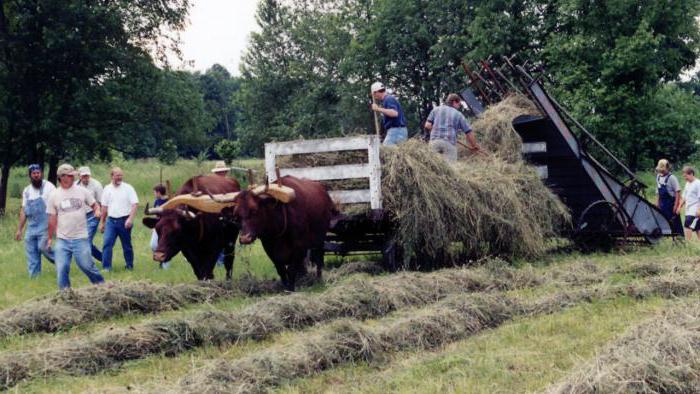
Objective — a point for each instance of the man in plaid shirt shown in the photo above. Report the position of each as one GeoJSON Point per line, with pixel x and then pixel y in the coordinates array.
{"type": "Point", "coordinates": [443, 124]}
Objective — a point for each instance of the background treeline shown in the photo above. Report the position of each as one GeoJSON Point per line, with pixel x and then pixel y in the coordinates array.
{"type": "Point", "coordinates": [89, 80]}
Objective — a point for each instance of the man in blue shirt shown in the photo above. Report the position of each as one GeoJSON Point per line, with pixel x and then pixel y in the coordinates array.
{"type": "Point", "coordinates": [392, 115]}
{"type": "Point", "coordinates": [443, 123]}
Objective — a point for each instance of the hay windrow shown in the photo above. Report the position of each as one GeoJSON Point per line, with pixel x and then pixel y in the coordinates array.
{"type": "Point", "coordinates": [353, 298]}
{"type": "Point", "coordinates": [65, 309]}
{"type": "Point", "coordinates": [661, 355]}
{"type": "Point", "coordinates": [485, 207]}
{"type": "Point", "coordinates": [446, 321]}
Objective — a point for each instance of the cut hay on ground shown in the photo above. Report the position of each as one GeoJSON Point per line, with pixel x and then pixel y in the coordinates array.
{"type": "Point", "coordinates": [65, 309]}
{"type": "Point", "coordinates": [352, 298]}
{"type": "Point", "coordinates": [494, 128]}
{"type": "Point", "coordinates": [659, 356]}
{"type": "Point", "coordinates": [446, 321]}
{"type": "Point", "coordinates": [483, 207]}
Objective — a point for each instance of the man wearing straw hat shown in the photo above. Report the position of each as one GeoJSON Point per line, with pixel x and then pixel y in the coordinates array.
{"type": "Point", "coordinates": [66, 209]}
{"type": "Point", "coordinates": [221, 169]}
{"type": "Point", "coordinates": [668, 195]}
{"type": "Point", "coordinates": [392, 115]}
{"type": "Point", "coordinates": [443, 124]}
{"type": "Point", "coordinates": [95, 188]}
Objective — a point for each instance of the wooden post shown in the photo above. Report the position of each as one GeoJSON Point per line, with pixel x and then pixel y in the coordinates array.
{"type": "Point", "coordinates": [377, 128]}
{"type": "Point", "coordinates": [250, 178]}
{"type": "Point", "coordinates": [168, 189]}
{"type": "Point", "coordinates": [277, 173]}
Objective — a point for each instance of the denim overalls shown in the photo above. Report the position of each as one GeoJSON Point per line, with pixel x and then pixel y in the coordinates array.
{"type": "Point", "coordinates": [667, 199]}
{"type": "Point", "coordinates": [37, 232]}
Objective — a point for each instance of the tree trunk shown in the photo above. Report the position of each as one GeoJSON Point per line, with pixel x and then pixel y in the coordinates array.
{"type": "Point", "coordinates": [4, 181]}
{"type": "Point", "coordinates": [53, 168]}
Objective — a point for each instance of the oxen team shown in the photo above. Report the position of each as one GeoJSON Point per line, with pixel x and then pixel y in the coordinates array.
{"type": "Point", "coordinates": [290, 217]}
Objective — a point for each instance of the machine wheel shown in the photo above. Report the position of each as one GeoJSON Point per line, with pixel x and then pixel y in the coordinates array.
{"type": "Point", "coordinates": [599, 227]}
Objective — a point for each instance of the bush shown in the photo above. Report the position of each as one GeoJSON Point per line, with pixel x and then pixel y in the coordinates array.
{"type": "Point", "coordinates": [228, 150]}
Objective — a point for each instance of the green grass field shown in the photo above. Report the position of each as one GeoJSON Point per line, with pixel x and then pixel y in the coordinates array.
{"type": "Point", "coordinates": [525, 354]}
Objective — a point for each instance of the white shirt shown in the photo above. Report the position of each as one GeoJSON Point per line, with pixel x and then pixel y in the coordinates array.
{"type": "Point", "coordinates": [691, 195]}
{"type": "Point", "coordinates": [30, 193]}
{"type": "Point", "coordinates": [119, 200]}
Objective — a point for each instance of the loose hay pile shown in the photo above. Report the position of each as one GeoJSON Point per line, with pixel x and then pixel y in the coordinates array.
{"type": "Point", "coordinates": [494, 128]}
{"type": "Point", "coordinates": [483, 206]}
{"type": "Point", "coordinates": [660, 356]}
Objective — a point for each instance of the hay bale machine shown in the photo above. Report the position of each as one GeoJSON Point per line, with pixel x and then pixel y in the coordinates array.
{"type": "Point", "coordinates": [605, 209]}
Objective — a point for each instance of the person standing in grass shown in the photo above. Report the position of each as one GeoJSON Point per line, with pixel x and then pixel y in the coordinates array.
{"type": "Point", "coordinates": [392, 115]}
{"type": "Point", "coordinates": [161, 198]}
{"type": "Point", "coordinates": [691, 201]}
{"type": "Point", "coordinates": [119, 204]}
{"type": "Point", "coordinates": [444, 122]}
{"type": "Point", "coordinates": [34, 200]}
{"type": "Point", "coordinates": [95, 188]}
{"type": "Point", "coordinates": [668, 195]}
{"type": "Point", "coordinates": [66, 209]}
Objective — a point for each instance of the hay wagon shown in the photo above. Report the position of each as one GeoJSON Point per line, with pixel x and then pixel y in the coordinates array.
{"type": "Point", "coordinates": [363, 226]}
{"type": "Point", "coordinates": [606, 206]}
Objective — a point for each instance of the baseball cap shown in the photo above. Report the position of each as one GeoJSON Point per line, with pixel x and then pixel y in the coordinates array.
{"type": "Point", "coordinates": [65, 169]}
{"type": "Point", "coordinates": [84, 171]}
{"type": "Point", "coordinates": [377, 86]}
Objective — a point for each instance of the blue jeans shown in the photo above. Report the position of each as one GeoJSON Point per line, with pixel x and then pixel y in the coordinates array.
{"type": "Point", "coordinates": [34, 246]}
{"type": "Point", "coordinates": [395, 136]}
{"type": "Point", "coordinates": [80, 249]}
{"type": "Point", "coordinates": [117, 228]}
{"type": "Point", "coordinates": [92, 223]}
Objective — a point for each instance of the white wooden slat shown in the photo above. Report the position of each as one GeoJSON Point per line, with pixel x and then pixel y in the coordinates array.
{"type": "Point", "coordinates": [375, 176]}
{"type": "Point", "coordinates": [317, 146]}
{"type": "Point", "coordinates": [327, 173]}
{"type": "Point", "coordinates": [350, 196]}
{"type": "Point", "coordinates": [534, 147]}
{"type": "Point", "coordinates": [270, 163]}
{"type": "Point", "coordinates": [542, 171]}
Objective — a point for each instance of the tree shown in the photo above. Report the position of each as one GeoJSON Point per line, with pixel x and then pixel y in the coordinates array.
{"type": "Point", "coordinates": [57, 57]}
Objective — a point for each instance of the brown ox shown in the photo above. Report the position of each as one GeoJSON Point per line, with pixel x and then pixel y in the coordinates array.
{"type": "Point", "coordinates": [287, 230]}
{"type": "Point", "coordinates": [199, 236]}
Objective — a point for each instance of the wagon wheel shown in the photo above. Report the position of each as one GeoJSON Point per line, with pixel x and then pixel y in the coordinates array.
{"type": "Point", "coordinates": [599, 226]}
{"type": "Point", "coordinates": [392, 255]}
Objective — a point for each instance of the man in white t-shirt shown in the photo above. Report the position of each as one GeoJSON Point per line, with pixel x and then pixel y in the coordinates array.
{"type": "Point", "coordinates": [119, 204]}
{"type": "Point", "coordinates": [66, 209]}
{"type": "Point", "coordinates": [691, 201]}
{"type": "Point", "coordinates": [34, 199]}
{"type": "Point", "coordinates": [95, 188]}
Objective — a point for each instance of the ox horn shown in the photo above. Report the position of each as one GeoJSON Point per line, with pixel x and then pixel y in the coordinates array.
{"type": "Point", "coordinates": [224, 198]}
{"type": "Point", "coordinates": [208, 204]}
{"type": "Point", "coordinates": [186, 213]}
{"type": "Point", "coordinates": [282, 193]}
{"type": "Point", "coordinates": [152, 211]}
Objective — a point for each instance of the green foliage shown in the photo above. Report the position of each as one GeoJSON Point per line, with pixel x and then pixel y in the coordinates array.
{"type": "Point", "coordinates": [228, 150]}
{"type": "Point", "coordinates": [168, 152]}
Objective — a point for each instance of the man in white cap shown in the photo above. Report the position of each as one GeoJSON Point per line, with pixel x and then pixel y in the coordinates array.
{"type": "Point", "coordinates": [95, 188]}
{"type": "Point", "coordinates": [66, 209]}
{"type": "Point", "coordinates": [119, 204]}
{"type": "Point", "coordinates": [393, 118]}
{"type": "Point", "coordinates": [221, 169]}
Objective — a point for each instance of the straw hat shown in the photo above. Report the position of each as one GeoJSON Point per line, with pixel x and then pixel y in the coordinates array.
{"type": "Point", "coordinates": [220, 166]}
{"type": "Point", "coordinates": [65, 169]}
{"type": "Point", "coordinates": [663, 165]}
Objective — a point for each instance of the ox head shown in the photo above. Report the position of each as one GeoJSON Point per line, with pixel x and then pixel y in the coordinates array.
{"type": "Point", "coordinates": [256, 211]}
{"type": "Point", "coordinates": [173, 227]}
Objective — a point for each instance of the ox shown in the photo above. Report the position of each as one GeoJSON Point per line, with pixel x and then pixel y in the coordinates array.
{"type": "Point", "coordinates": [287, 230]}
{"type": "Point", "coordinates": [198, 235]}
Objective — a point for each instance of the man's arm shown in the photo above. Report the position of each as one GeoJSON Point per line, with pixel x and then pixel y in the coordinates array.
{"type": "Point", "coordinates": [473, 145]}
{"type": "Point", "coordinates": [132, 214]}
{"type": "Point", "coordinates": [392, 113]}
{"type": "Point", "coordinates": [103, 217]}
{"type": "Point", "coordinates": [22, 223]}
{"type": "Point", "coordinates": [53, 221]}
{"type": "Point", "coordinates": [677, 202]}
{"type": "Point", "coordinates": [680, 205]}
{"type": "Point", "coordinates": [429, 125]}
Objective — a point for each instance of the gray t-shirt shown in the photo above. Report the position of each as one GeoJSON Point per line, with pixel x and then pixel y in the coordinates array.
{"type": "Point", "coordinates": [69, 205]}
{"type": "Point", "coordinates": [95, 188]}
{"type": "Point", "coordinates": [669, 182]}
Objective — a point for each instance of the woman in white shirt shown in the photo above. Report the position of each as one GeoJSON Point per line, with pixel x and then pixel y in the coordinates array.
{"type": "Point", "coordinates": [691, 201]}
